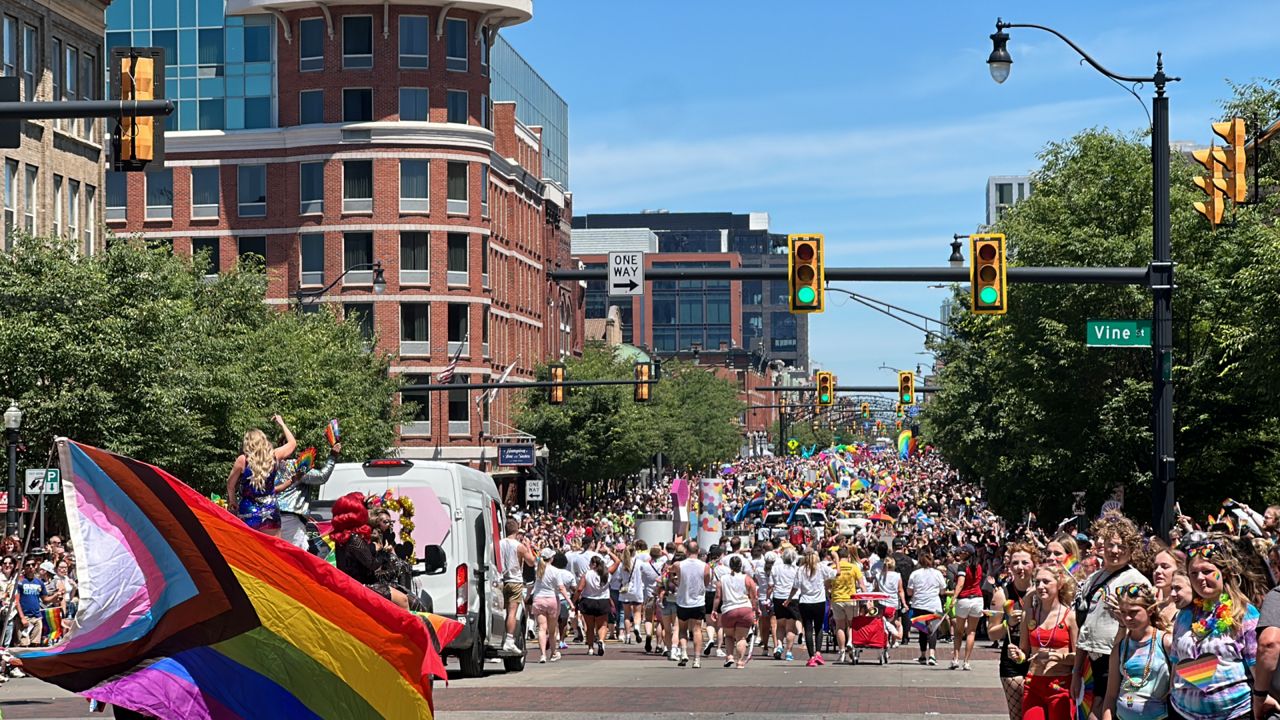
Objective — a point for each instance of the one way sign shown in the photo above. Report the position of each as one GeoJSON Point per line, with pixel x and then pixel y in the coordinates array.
{"type": "Point", "coordinates": [626, 273]}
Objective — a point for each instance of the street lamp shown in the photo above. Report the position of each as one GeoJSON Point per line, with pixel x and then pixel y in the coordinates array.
{"type": "Point", "coordinates": [379, 283]}
{"type": "Point", "coordinates": [12, 423]}
{"type": "Point", "coordinates": [956, 259]}
{"type": "Point", "coordinates": [1160, 271]}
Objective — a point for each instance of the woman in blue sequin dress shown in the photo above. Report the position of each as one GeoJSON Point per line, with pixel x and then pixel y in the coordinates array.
{"type": "Point", "coordinates": [255, 479]}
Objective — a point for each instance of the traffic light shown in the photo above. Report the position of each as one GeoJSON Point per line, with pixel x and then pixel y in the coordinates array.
{"type": "Point", "coordinates": [1232, 132]}
{"type": "Point", "coordinates": [907, 387]}
{"type": "Point", "coordinates": [137, 74]}
{"type": "Point", "coordinates": [555, 394]}
{"type": "Point", "coordinates": [901, 410]}
{"type": "Point", "coordinates": [897, 424]}
{"type": "Point", "coordinates": [1213, 184]}
{"type": "Point", "coordinates": [988, 285]}
{"type": "Point", "coordinates": [805, 274]}
{"type": "Point", "coordinates": [866, 411]}
{"type": "Point", "coordinates": [826, 383]}
{"type": "Point", "coordinates": [643, 370]}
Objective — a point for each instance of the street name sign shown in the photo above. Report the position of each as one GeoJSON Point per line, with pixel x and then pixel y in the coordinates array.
{"type": "Point", "coordinates": [1118, 333]}
{"type": "Point", "coordinates": [515, 455]}
{"type": "Point", "coordinates": [626, 273]}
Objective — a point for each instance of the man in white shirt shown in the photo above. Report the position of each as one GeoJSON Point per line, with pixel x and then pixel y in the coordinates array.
{"type": "Point", "coordinates": [692, 576]}
{"type": "Point", "coordinates": [516, 554]}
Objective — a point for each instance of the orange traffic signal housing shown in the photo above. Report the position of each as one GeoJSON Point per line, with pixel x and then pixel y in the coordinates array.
{"type": "Point", "coordinates": [806, 278]}
{"type": "Point", "coordinates": [643, 372]}
{"type": "Point", "coordinates": [1213, 184]}
{"type": "Point", "coordinates": [137, 133]}
{"type": "Point", "coordinates": [988, 280]}
{"type": "Point", "coordinates": [555, 394]}
{"type": "Point", "coordinates": [1233, 133]}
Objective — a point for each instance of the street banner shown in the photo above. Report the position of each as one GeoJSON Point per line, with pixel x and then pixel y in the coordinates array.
{"type": "Point", "coordinates": [679, 506]}
{"type": "Point", "coordinates": [711, 520]}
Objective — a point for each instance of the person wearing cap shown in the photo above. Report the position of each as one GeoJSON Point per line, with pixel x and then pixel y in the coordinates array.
{"type": "Point", "coordinates": [968, 596]}
{"type": "Point", "coordinates": [550, 589]}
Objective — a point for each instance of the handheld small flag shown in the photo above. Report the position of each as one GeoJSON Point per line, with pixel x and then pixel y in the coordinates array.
{"type": "Point", "coordinates": [332, 432]}
{"type": "Point", "coordinates": [53, 624]}
{"type": "Point", "coordinates": [921, 623]}
{"type": "Point", "coordinates": [306, 460]}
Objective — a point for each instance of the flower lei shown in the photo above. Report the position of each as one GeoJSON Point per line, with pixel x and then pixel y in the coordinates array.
{"type": "Point", "coordinates": [404, 506]}
{"type": "Point", "coordinates": [1217, 620]}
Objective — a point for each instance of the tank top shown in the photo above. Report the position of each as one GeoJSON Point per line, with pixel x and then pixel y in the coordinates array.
{"type": "Point", "coordinates": [692, 590]}
{"type": "Point", "coordinates": [1056, 638]}
{"type": "Point", "coordinates": [511, 569]}
{"type": "Point", "coordinates": [972, 582]}
{"type": "Point", "coordinates": [733, 592]}
{"type": "Point", "coordinates": [1012, 636]}
{"type": "Point", "coordinates": [1136, 699]}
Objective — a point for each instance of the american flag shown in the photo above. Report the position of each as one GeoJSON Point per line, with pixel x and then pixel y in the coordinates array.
{"type": "Point", "coordinates": [446, 376]}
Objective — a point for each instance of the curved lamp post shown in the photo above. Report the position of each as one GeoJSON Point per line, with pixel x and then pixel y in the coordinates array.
{"type": "Point", "coordinates": [1160, 271]}
{"type": "Point", "coordinates": [379, 283]}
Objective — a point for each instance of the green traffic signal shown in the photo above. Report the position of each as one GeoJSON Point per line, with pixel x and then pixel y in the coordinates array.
{"type": "Point", "coordinates": [989, 295]}
{"type": "Point", "coordinates": [825, 397]}
{"type": "Point", "coordinates": [806, 295]}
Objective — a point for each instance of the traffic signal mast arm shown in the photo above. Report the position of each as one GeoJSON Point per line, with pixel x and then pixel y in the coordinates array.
{"type": "Point", "coordinates": [83, 109]}
{"type": "Point", "coordinates": [1039, 275]}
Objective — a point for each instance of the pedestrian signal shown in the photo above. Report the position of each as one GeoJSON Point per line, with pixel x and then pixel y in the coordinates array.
{"type": "Point", "coordinates": [1232, 132]}
{"type": "Point", "coordinates": [643, 371]}
{"type": "Point", "coordinates": [987, 277]}
{"type": "Point", "coordinates": [805, 275]}
{"type": "Point", "coordinates": [826, 383]}
{"type": "Point", "coordinates": [556, 392]}
{"type": "Point", "coordinates": [906, 388]}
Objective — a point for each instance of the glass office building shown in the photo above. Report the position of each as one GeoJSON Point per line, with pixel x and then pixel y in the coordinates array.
{"type": "Point", "coordinates": [536, 104]}
{"type": "Point", "coordinates": [219, 69]}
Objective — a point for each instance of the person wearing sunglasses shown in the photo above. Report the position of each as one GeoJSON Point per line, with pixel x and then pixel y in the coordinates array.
{"type": "Point", "coordinates": [1214, 642]}
{"type": "Point", "coordinates": [1138, 685]}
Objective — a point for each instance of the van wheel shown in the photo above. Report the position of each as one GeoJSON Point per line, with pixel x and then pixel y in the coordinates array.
{"type": "Point", "coordinates": [516, 664]}
{"type": "Point", "coordinates": [471, 661]}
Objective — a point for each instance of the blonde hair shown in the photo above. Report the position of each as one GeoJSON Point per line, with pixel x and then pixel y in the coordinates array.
{"type": "Point", "coordinates": [260, 458]}
{"type": "Point", "coordinates": [811, 563]}
{"type": "Point", "coordinates": [1066, 582]}
{"type": "Point", "coordinates": [1146, 599]}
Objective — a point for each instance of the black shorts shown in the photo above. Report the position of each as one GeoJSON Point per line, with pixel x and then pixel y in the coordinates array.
{"type": "Point", "coordinates": [786, 612]}
{"type": "Point", "coordinates": [594, 608]}
{"type": "Point", "coordinates": [711, 603]}
{"type": "Point", "coordinates": [693, 613]}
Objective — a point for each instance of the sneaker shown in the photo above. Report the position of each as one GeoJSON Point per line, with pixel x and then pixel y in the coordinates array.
{"type": "Point", "coordinates": [818, 657]}
{"type": "Point", "coordinates": [966, 667]}
{"type": "Point", "coordinates": [697, 662]}
{"type": "Point", "coordinates": [844, 658]}
{"type": "Point", "coordinates": [562, 646]}
{"type": "Point", "coordinates": [728, 663]}
{"type": "Point", "coordinates": [675, 654]}
{"type": "Point", "coordinates": [600, 649]}
{"type": "Point", "coordinates": [542, 659]}
{"type": "Point", "coordinates": [706, 650]}
{"type": "Point", "coordinates": [648, 644]}
{"type": "Point", "coordinates": [720, 652]}
{"type": "Point", "coordinates": [955, 665]}
{"type": "Point", "coordinates": [591, 649]}
{"type": "Point", "coordinates": [684, 660]}
{"type": "Point", "coordinates": [555, 656]}
{"type": "Point", "coordinates": [933, 661]}
{"type": "Point", "coordinates": [920, 660]}
{"type": "Point", "coordinates": [509, 645]}
{"type": "Point", "coordinates": [635, 633]}
{"type": "Point", "coordinates": [813, 662]}
{"type": "Point", "coordinates": [790, 657]}
{"type": "Point", "coordinates": [777, 653]}
{"type": "Point", "coordinates": [17, 673]}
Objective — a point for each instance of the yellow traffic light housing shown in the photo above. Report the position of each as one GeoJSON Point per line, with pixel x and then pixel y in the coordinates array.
{"type": "Point", "coordinates": [643, 371]}
{"type": "Point", "coordinates": [988, 280]}
{"type": "Point", "coordinates": [1237, 164]}
{"type": "Point", "coordinates": [866, 411]}
{"type": "Point", "coordinates": [906, 388]}
{"type": "Point", "coordinates": [556, 392]}
{"type": "Point", "coordinates": [900, 409]}
{"type": "Point", "coordinates": [137, 74]}
{"type": "Point", "coordinates": [806, 277]}
{"type": "Point", "coordinates": [826, 383]}
{"type": "Point", "coordinates": [1213, 184]}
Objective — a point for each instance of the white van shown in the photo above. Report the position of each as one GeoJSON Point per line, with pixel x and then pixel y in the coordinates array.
{"type": "Point", "coordinates": [459, 578]}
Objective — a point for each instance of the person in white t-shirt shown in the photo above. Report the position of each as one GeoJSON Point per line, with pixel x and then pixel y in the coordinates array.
{"type": "Point", "coordinates": [781, 580]}
{"type": "Point", "coordinates": [737, 600]}
{"type": "Point", "coordinates": [593, 599]}
{"type": "Point", "coordinates": [810, 589]}
{"type": "Point", "coordinates": [924, 589]}
{"type": "Point", "coordinates": [631, 591]}
{"type": "Point", "coordinates": [691, 577]}
{"type": "Point", "coordinates": [552, 583]}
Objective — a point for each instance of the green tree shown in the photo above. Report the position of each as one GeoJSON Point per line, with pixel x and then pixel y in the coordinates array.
{"type": "Point", "coordinates": [1029, 410]}
{"type": "Point", "coordinates": [133, 351]}
{"type": "Point", "coordinates": [697, 414]}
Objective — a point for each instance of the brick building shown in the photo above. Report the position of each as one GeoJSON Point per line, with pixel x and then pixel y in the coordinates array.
{"type": "Point", "coordinates": [51, 182]}
{"type": "Point", "coordinates": [382, 146]}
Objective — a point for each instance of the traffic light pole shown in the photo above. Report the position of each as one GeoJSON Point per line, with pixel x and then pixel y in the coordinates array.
{"type": "Point", "coordinates": [84, 109]}
{"type": "Point", "coordinates": [1162, 484]}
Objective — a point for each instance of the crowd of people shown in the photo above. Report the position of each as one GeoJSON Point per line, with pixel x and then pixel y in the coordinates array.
{"type": "Point", "coordinates": [40, 594]}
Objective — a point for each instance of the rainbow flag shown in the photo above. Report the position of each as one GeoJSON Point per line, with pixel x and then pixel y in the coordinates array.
{"type": "Point", "coordinates": [1086, 689]}
{"type": "Point", "coordinates": [53, 624]}
{"type": "Point", "coordinates": [306, 460]}
{"type": "Point", "coordinates": [1071, 564]}
{"type": "Point", "coordinates": [332, 432]}
{"type": "Point", "coordinates": [185, 612]}
{"type": "Point", "coordinates": [920, 623]}
{"type": "Point", "coordinates": [904, 444]}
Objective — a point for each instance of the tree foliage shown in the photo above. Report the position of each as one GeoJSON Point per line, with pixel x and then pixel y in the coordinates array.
{"type": "Point", "coordinates": [600, 433]}
{"type": "Point", "coordinates": [1031, 411]}
{"type": "Point", "coordinates": [134, 351]}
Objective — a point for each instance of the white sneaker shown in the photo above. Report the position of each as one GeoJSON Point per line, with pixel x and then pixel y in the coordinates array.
{"type": "Point", "coordinates": [675, 654]}
{"type": "Point", "coordinates": [555, 656]}
{"type": "Point", "coordinates": [844, 658]}
{"type": "Point", "coordinates": [720, 652]}
{"type": "Point", "coordinates": [955, 664]}
{"type": "Point", "coordinates": [509, 645]}
{"type": "Point", "coordinates": [17, 673]}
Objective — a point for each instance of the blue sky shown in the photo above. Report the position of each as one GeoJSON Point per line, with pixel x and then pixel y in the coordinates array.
{"type": "Point", "coordinates": [874, 123]}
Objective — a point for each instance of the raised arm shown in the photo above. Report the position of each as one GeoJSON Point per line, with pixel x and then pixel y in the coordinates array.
{"type": "Point", "coordinates": [290, 444]}
{"type": "Point", "coordinates": [320, 476]}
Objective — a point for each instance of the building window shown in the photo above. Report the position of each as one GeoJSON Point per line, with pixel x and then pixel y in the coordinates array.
{"type": "Point", "coordinates": [70, 71]}
{"type": "Point", "coordinates": [459, 326]}
{"type": "Point", "coordinates": [91, 217]}
{"type": "Point", "coordinates": [311, 246]}
{"type": "Point", "coordinates": [752, 292]}
{"type": "Point", "coordinates": [159, 194]}
{"type": "Point", "coordinates": [457, 201]}
{"type": "Point", "coordinates": [357, 186]}
{"type": "Point", "coordinates": [457, 106]}
{"type": "Point", "coordinates": [420, 412]}
{"type": "Point", "coordinates": [207, 248]}
{"type": "Point", "coordinates": [251, 190]}
{"type": "Point", "coordinates": [752, 325]}
{"type": "Point", "coordinates": [57, 205]}
{"type": "Point", "coordinates": [357, 41]}
{"type": "Point", "coordinates": [484, 330]}
{"type": "Point", "coordinates": [10, 46]}
{"type": "Point", "coordinates": [210, 52]}
{"type": "Point", "coordinates": [486, 117]}
{"type": "Point", "coordinates": [458, 261]}
{"type": "Point", "coordinates": [456, 44]}
{"type": "Point", "coordinates": [484, 53]}
{"type": "Point", "coordinates": [257, 38]}
{"type": "Point", "coordinates": [73, 206]}
{"type": "Point", "coordinates": [484, 261]}
{"type": "Point", "coordinates": [56, 72]}
{"type": "Point", "coordinates": [311, 38]}
{"type": "Point", "coordinates": [1004, 193]}
{"type": "Point", "coordinates": [415, 257]}
{"type": "Point", "coordinates": [362, 315]}
{"type": "Point", "coordinates": [414, 196]}
{"type": "Point", "coordinates": [10, 186]}
{"type": "Point", "coordinates": [311, 187]}
{"type": "Point", "coordinates": [30, 198]}
{"type": "Point", "coordinates": [253, 249]}
{"type": "Point", "coordinates": [311, 107]}
{"type": "Point", "coordinates": [88, 91]}
{"type": "Point", "coordinates": [460, 410]}
{"type": "Point", "coordinates": [415, 328]}
{"type": "Point", "coordinates": [414, 31]}
{"type": "Point", "coordinates": [357, 105]}
{"type": "Point", "coordinates": [204, 193]}
{"type": "Point", "coordinates": [212, 115]}
{"type": "Point", "coordinates": [357, 252]}
{"type": "Point", "coordinates": [413, 104]}
{"type": "Point", "coordinates": [30, 60]}
{"type": "Point", "coordinates": [117, 195]}
{"type": "Point", "coordinates": [484, 190]}
{"type": "Point", "coordinates": [782, 331]}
